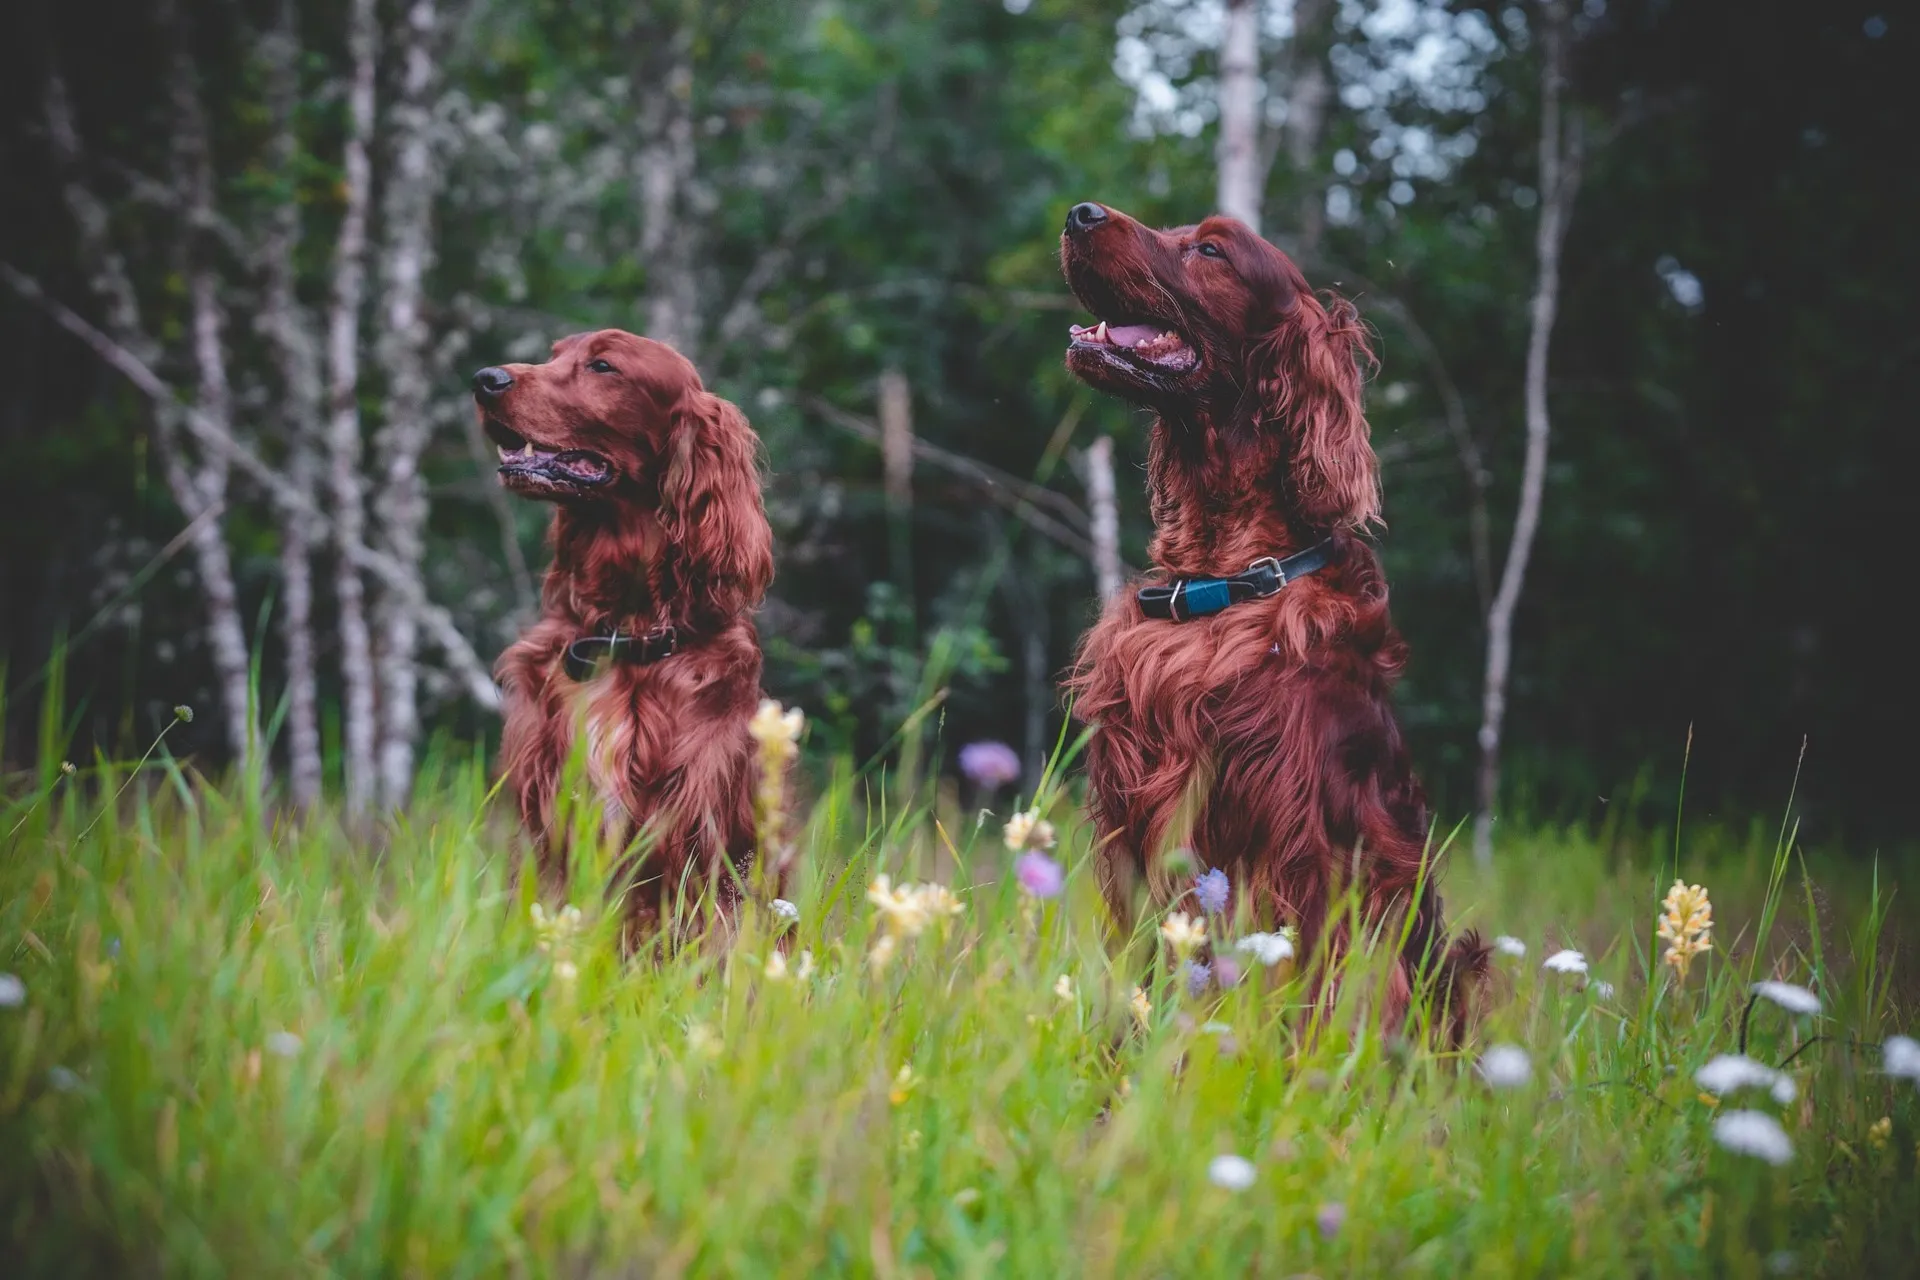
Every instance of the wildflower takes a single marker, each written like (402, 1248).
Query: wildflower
(1753, 1133)
(1231, 1173)
(1507, 945)
(553, 934)
(1183, 933)
(1198, 977)
(803, 967)
(1039, 875)
(1141, 1007)
(990, 764)
(703, 1041)
(1788, 996)
(900, 910)
(882, 952)
(776, 967)
(937, 902)
(1601, 990)
(283, 1044)
(1028, 830)
(777, 731)
(1902, 1056)
(784, 910)
(1268, 948)
(66, 767)
(183, 713)
(1565, 962)
(1226, 972)
(1211, 891)
(1063, 987)
(1877, 1133)
(1730, 1073)
(1506, 1066)
(903, 1084)
(565, 970)
(13, 992)
(1686, 922)
(1330, 1218)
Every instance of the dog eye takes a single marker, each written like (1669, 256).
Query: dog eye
(599, 366)
(1208, 249)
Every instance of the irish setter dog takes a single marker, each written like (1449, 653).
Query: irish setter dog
(646, 644)
(1243, 711)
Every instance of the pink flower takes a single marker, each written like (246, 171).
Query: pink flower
(990, 764)
(1039, 875)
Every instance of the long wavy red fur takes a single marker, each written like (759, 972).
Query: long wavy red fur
(1263, 737)
(680, 538)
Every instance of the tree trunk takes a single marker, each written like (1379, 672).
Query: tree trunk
(400, 501)
(1309, 89)
(663, 85)
(202, 487)
(285, 326)
(1561, 155)
(1241, 176)
(344, 485)
(1104, 513)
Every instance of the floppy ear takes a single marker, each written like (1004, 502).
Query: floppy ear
(711, 509)
(1308, 379)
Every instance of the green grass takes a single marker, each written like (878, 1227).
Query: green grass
(452, 1105)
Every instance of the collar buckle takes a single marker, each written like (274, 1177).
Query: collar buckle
(1279, 576)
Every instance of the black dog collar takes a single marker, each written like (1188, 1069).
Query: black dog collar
(585, 656)
(1186, 598)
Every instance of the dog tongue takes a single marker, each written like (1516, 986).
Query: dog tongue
(1131, 335)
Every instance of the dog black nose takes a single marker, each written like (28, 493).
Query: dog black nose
(1085, 216)
(491, 383)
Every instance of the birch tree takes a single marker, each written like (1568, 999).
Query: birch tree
(1242, 176)
(1562, 153)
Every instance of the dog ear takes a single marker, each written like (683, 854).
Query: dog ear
(711, 507)
(1308, 378)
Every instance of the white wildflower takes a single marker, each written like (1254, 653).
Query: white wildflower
(1601, 990)
(776, 967)
(1753, 1133)
(1267, 948)
(1508, 945)
(1028, 830)
(1903, 1057)
(1231, 1173)
(1183, 933)
(1793, 999)
(1784, 1090)
(1565, 962)
(1063, 987)
(1732, 1072)
(1506, 1066)
(803, 967)
(283, 1044)
(784, 910)
(13, 992)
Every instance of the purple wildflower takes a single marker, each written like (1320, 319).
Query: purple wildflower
(1198, 976)
(990, 764)
(1211, 890)
(1039, 875)
(1330, 1219)
(1226, 972)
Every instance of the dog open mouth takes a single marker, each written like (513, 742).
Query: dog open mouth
(1148, 345)
(539, 471)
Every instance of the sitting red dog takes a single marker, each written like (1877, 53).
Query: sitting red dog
(1242, 694)
(646, 643)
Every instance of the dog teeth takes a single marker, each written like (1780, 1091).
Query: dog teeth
(1100, 332)
(528, 451)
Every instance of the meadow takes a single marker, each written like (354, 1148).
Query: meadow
(233, 1042)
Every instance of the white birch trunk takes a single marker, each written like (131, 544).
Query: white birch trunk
(1309, 89)
(1238, 155)
(666, 167)
(400, 498)
(1561, 156)
(344, 486)
(1103, 518)
(284, 324)
(202, 487)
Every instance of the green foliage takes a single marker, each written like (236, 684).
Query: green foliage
(249, 1044)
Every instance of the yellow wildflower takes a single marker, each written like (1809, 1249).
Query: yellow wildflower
(1063, 987)
(1880, 1130)
(776, 970)
(777, 730)
(1686, 924)
(1142, 1008)
(900, 909)
(1184, 933)
(903, 1084)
